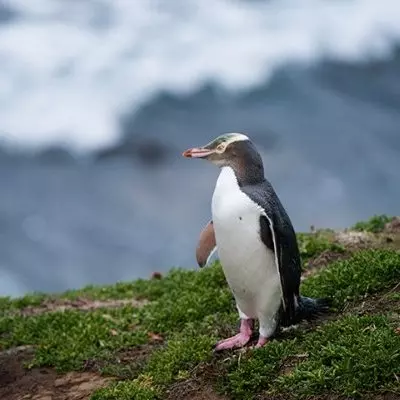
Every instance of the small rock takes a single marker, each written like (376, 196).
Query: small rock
(156, 275)
(60, 382)
(353, 237)
(89, 386)
(393, 226)
(155, 337)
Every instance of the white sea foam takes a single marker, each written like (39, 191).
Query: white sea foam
(70, 68)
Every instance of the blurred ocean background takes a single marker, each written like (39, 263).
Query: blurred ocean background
(98, 99)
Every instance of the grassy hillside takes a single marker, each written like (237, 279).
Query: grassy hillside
(152, 339)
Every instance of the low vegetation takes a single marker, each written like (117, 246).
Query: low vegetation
(313, 244)
(375, 224)
(153, 339)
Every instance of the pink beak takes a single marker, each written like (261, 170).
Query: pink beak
(197, 153)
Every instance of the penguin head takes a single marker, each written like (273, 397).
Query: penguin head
(223, 151)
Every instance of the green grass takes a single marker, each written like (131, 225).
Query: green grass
(350, 355)
(375, 224)
(68, 339)
(141, 388)
(394, 296)
(313, 244)
(140, 289)
(181, 355)
(367, 272)
(8, 305)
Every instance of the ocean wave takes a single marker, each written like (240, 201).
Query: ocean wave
(71, 69)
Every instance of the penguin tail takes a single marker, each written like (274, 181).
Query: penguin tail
(310, 308)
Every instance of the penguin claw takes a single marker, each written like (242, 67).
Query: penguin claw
(262, 341)
(234, 342)
(240, 340)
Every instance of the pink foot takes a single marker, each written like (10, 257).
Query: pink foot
(239, 340)
(262, 341)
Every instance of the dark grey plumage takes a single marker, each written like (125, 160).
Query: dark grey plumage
(249, 171)
(289, 260)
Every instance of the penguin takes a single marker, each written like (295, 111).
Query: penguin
(256, 243)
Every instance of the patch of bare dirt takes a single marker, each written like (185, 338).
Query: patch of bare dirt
(323, 260)
(354, 241)
(389, 238)
(54, 305)
(327, 257)
(290, 363)
(199, 386)
(375, 304)
(386, 396)
(194, 391)
(124, 364)
(137, 355)
(19, 383)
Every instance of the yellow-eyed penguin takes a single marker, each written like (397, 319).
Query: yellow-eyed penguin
(256, 242)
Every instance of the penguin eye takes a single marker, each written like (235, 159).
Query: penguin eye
(221, 148)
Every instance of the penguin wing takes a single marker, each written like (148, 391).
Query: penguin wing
(206, 245)
(278, 235)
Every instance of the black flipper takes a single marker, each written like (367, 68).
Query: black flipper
(272, 240)
(277, 234)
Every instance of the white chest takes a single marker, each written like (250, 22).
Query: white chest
(235, 215)
(249, 266)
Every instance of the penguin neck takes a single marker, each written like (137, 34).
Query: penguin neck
(248, 170)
